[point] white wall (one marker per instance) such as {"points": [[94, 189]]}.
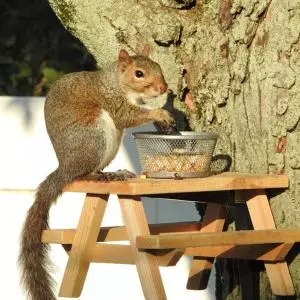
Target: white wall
{"points": [[26, 159]]}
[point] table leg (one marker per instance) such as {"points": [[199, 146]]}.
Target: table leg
{"points": [[85, 237], [262, 218], [147, 266], [213, 221]]}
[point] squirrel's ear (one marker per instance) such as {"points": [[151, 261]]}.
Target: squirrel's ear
{"points": [[146, 50], [124, 60]]}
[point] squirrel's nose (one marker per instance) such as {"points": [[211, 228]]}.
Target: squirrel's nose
{"points": [[163, 88]]}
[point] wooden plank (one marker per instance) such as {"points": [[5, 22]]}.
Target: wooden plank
{"points": [[213, 221], [146, 263], [122, 254], [115, 254], [116, 233], [58, 236], [262, 218], [167, 257], [174, 227], [85, 237], [267, 252], [195, 239], [202, 197], [108, 253], [221, 182]]}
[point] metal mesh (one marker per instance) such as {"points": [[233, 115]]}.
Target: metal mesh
{"points": [[175, 156]]}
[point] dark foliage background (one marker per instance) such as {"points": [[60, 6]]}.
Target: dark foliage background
{"points": [[35, 49]]}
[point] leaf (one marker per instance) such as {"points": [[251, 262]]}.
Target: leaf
{"points": [[24, 72], [50, 74]]}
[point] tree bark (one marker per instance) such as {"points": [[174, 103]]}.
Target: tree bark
{"points": [[234, 67]]}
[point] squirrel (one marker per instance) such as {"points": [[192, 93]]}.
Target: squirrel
{"points": [[86, 114]]}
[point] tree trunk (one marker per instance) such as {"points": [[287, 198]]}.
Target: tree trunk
{"points": [[234, 66]]}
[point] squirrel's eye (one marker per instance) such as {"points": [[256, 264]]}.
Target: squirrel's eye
{"points": [[139, 74]]}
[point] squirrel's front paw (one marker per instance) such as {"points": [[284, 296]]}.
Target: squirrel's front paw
{"points": [[164, 121], [163, 116]]}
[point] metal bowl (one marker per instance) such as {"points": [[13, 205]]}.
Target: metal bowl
{"points": [[177, 155]]}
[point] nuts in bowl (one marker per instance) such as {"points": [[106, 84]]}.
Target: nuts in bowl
{"points": [[176, 155]]}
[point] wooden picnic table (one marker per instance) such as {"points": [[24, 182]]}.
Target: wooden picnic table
{"points": [[151, 245]]}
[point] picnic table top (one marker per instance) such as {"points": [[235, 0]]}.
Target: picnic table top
{"points": [[148, 186]]}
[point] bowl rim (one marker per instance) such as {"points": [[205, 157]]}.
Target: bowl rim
{"points": [[182, 135]]}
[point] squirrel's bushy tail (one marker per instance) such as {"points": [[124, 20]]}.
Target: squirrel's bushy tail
{"points": [[33, 257]]}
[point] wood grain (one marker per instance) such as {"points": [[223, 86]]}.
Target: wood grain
{"points": [[262, 218], [115, 254], [266, 252], [213, 221], [116, 233], [194, 239], [221, 182], [85, 237], [122, 254], [146, 263]]}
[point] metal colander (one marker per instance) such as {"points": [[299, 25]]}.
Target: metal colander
{"points": [[178, 155]]}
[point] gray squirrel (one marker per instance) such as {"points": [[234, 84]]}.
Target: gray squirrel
{"points": [[86, 114]]}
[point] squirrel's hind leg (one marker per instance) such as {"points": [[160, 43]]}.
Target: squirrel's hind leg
{"points": [[119, 175]]}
